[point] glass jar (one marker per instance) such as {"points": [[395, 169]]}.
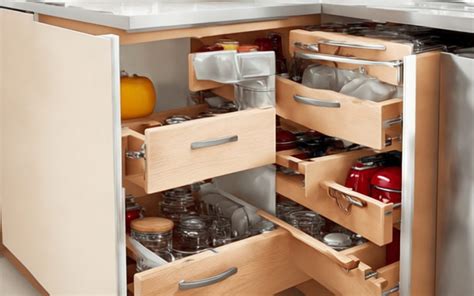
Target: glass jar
{"points": [[286, 207], [191, 235], [155, 234], [177, 203], [220, 231], [307, 221], [228, 44]]}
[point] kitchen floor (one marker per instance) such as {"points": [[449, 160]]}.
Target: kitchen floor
{"points": [[12, 282]]}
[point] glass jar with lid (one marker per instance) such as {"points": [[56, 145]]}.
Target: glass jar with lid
{"points": [[155, 234], [192, 235], [285, 207], [307, 221], [178, 202]]}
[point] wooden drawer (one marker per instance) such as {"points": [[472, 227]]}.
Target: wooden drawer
{"points": [[260, 265], [359, 270], [363, 122], [184, 153], [320, 180], [354, 47]]}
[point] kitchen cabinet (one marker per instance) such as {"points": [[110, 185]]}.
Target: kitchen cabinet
{"points": [[64, 164]]}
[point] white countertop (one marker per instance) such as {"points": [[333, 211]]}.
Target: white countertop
{"points": [[158, 14], [141, 15]]}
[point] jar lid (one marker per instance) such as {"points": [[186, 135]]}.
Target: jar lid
{"points": [[338, 240], [152, 224]]}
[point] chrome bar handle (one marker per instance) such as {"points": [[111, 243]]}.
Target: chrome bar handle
{"points": [[347, 60], [316, 102], [304, 46], [344, 201], [315, 46], [338, 43], [391, 290], [186, 285], [214, 142]]}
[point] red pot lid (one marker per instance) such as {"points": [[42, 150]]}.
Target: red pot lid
{"points": [[284, 136], [389, 178]]}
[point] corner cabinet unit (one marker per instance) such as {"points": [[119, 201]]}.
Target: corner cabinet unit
{"points": [[64, 169]]}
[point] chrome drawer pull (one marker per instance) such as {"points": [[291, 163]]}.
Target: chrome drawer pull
{"points": [[315, 46], [347, 60], [315, 102], [304, 46], [186, 285], [345, 201], [214, 142], [369, 46]]}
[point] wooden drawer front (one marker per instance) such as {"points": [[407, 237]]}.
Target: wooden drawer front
{"points": [[347, 47], [359, 121], [264, 267], [321, 175], [181, 154], [348, 282], [358, 270]]}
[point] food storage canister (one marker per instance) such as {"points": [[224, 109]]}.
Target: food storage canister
{"points": [[154, 233], [192, 234]]}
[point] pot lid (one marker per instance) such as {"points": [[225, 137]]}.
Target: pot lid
{"points": [[284, 136], [152, 224], [338, 240], [389, 177]]}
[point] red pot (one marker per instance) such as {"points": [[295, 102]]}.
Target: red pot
{"points": [[285, 140], [387, 185], [360, 175], [264, 44], [393, 248]]}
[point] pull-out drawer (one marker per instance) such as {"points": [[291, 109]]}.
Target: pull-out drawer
{"points": [[382, 59], [365, 122], [164, 157], [373, 124], [360, 270], [260, 265], [318, 187]]}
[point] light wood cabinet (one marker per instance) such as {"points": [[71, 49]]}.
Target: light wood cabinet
{"points": [[64, 164]]}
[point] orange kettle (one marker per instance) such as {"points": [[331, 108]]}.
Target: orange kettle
{"points": [[138, 97]]}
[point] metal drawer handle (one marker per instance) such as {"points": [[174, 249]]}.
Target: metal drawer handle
{"points": [[214, 142], [348, 60], [345, 201], [311, 47], [369, 46], [186, 285], [315, 46], [316, 102]]}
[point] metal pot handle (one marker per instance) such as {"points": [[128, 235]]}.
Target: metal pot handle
{"points": [[186, 285]]}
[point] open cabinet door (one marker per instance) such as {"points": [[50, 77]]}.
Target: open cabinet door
{"points": [[61, 166]]}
